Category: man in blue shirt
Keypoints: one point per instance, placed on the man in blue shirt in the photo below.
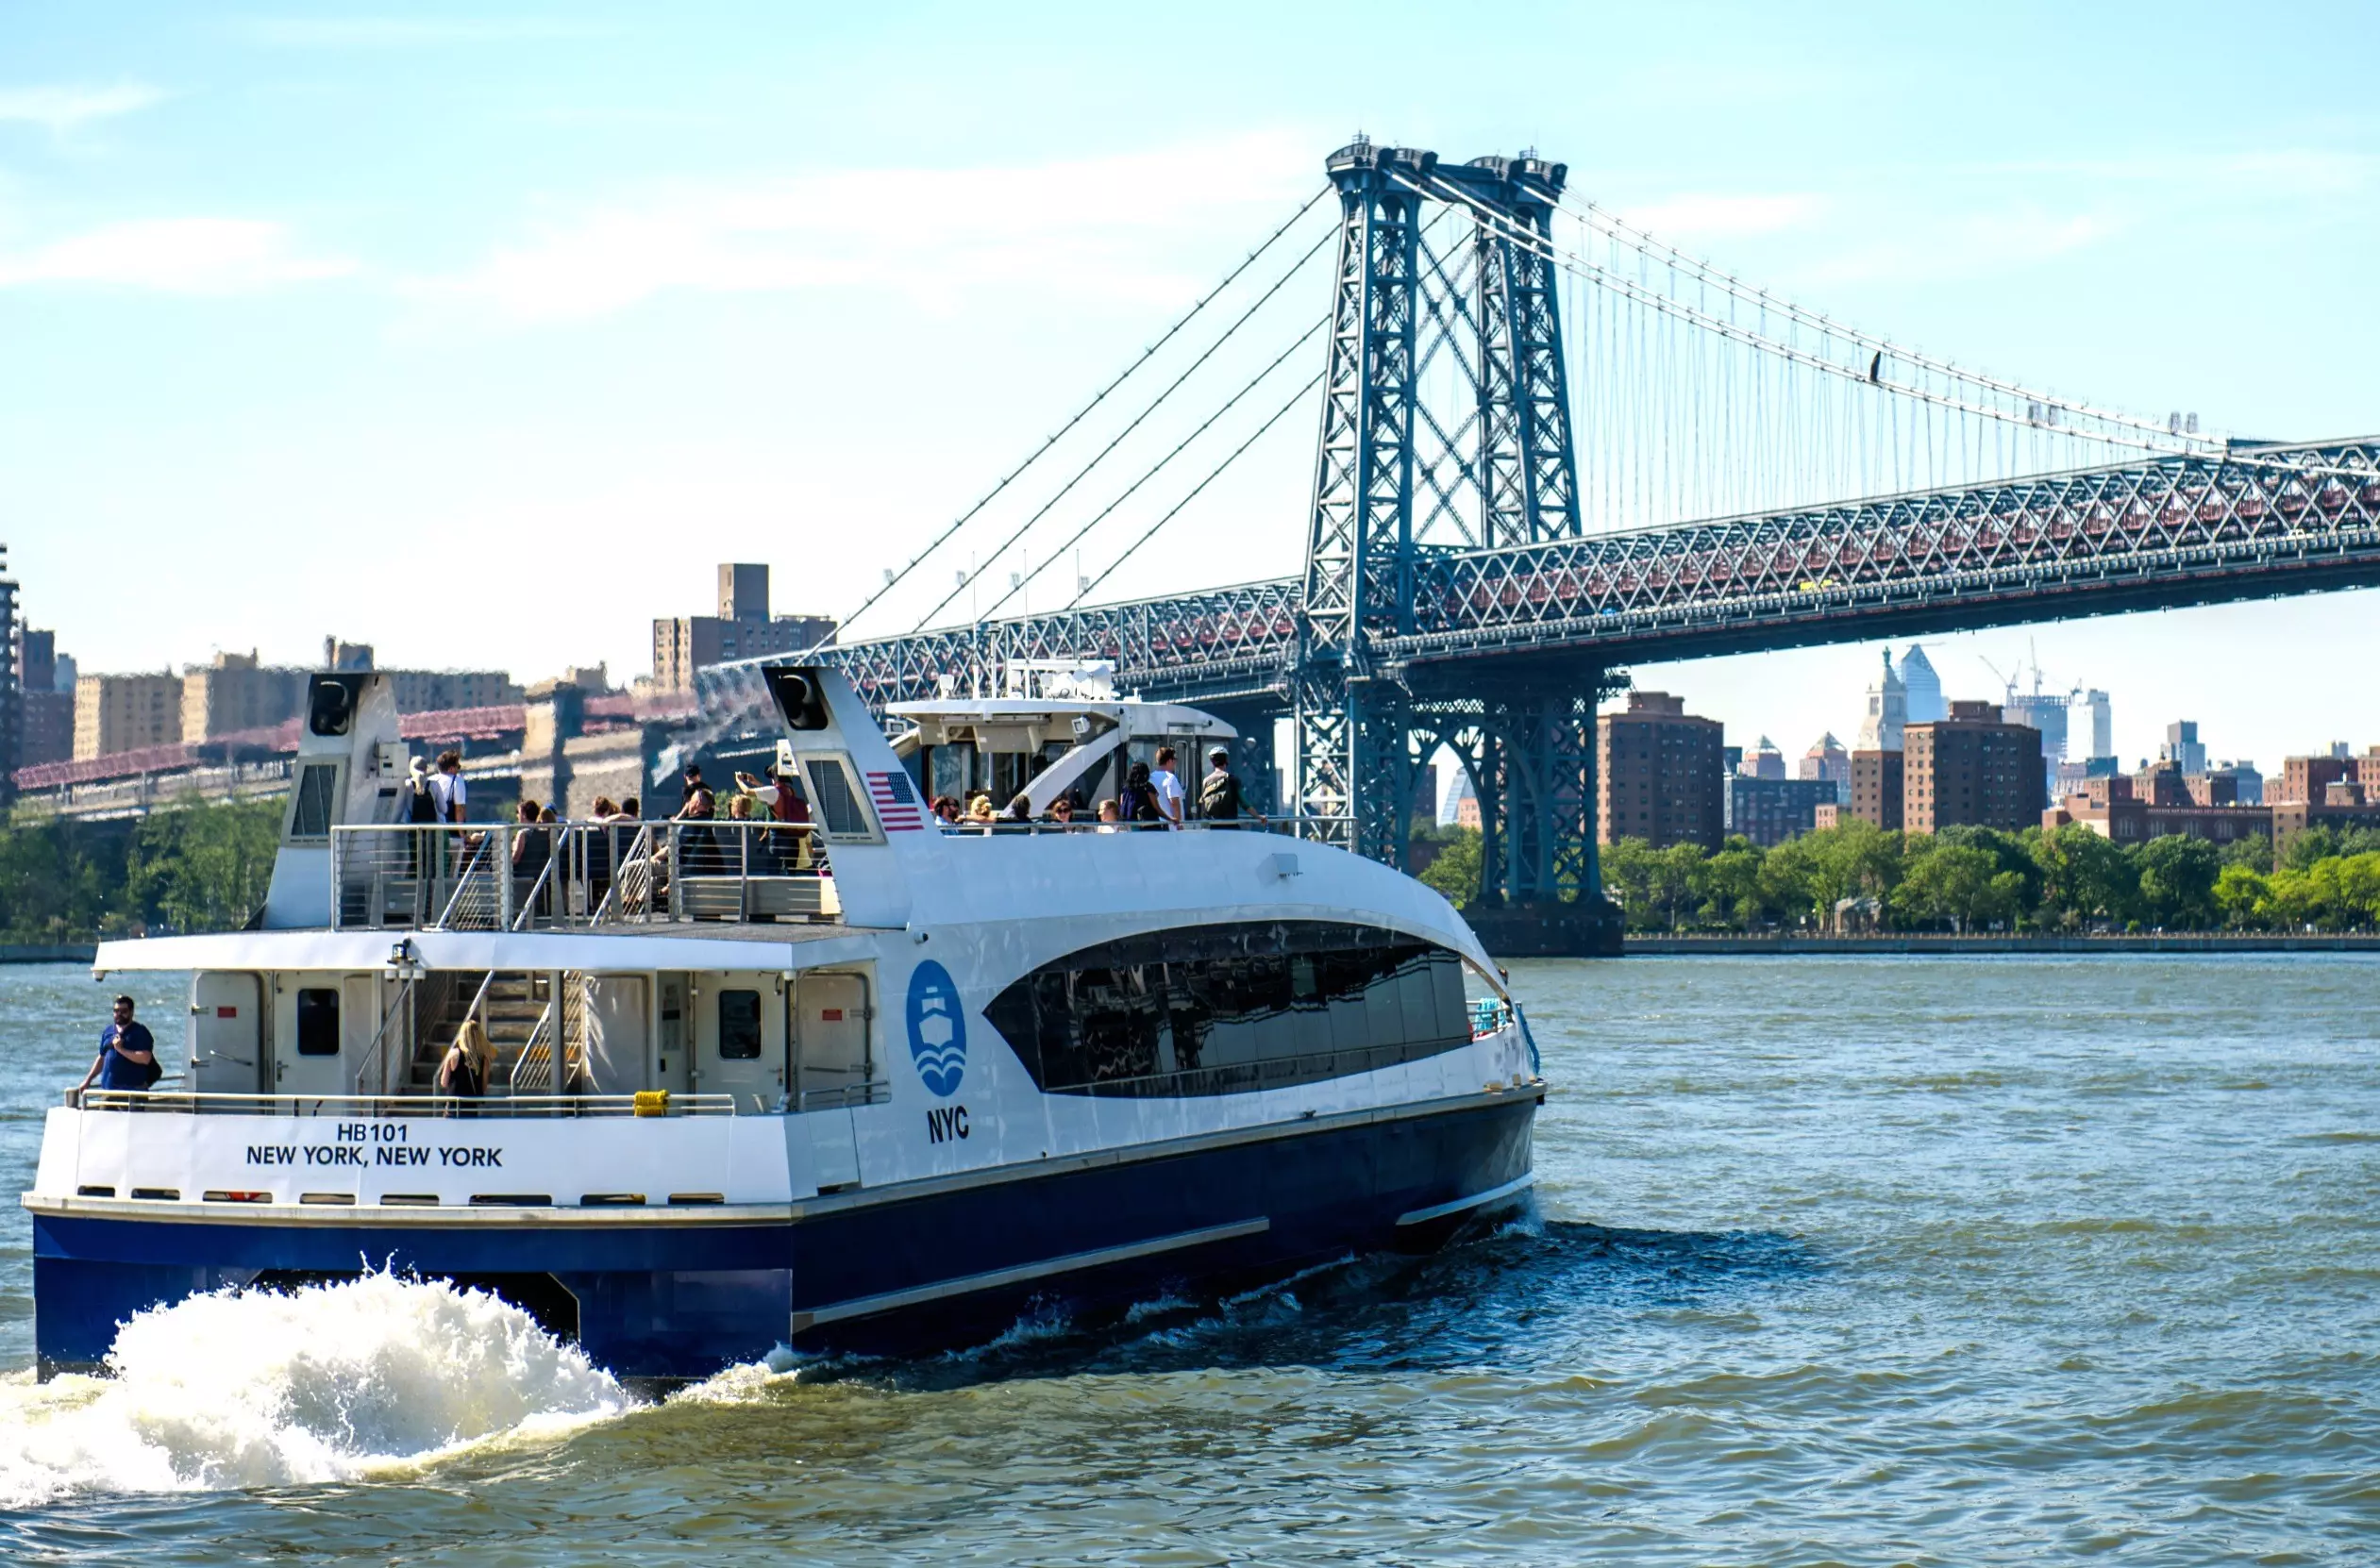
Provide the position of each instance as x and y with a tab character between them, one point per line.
127	1054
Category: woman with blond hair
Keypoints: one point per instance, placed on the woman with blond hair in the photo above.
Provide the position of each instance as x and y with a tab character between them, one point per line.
463	1073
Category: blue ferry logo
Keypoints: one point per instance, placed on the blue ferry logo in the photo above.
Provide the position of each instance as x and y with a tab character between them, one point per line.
937	1028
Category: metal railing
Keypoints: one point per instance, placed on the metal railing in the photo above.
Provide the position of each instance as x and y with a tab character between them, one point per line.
160	1101
1319	829
524	876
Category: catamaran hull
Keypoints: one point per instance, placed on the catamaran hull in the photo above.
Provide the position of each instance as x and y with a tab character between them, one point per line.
682	1293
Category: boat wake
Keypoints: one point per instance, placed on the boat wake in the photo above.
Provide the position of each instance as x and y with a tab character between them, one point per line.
324	1383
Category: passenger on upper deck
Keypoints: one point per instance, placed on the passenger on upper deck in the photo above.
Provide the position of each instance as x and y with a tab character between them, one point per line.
1169	787
127	1054
1142	807
946	809
1219	792
446	786
1110	817
1061	813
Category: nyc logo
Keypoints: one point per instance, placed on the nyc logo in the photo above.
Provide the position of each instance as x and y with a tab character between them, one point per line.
937	1028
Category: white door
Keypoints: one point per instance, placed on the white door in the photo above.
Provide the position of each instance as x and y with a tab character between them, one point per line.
831	1033
226	1035
740	1039
309	1047
618	1024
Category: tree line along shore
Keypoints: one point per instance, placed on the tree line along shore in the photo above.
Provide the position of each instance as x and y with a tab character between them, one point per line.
1861	877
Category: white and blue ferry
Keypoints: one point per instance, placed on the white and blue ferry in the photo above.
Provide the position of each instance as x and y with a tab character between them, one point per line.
870	1083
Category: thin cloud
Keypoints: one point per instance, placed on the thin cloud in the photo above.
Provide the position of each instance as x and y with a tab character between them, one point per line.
409	32
1978	247
184	255
1105	227
64	108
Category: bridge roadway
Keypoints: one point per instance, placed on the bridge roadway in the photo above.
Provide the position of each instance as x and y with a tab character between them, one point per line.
2150	535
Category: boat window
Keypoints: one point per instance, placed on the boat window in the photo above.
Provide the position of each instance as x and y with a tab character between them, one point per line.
839	811
317	785
318	1022
739	1025
1224	1009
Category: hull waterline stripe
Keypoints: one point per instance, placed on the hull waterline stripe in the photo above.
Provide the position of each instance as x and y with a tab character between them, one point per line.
1023	1273
1477	1200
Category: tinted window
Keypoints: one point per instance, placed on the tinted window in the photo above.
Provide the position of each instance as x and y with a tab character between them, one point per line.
739	1025
318	1023
315	783
839	811
1217	1009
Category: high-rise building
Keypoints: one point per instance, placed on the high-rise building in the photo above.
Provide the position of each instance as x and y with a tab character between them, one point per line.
2240	780
1764	762
2098	725
45	722
2044	713
1658	773
119	713
237	692
2181	746
1827	759
1876	788
1972	768
1922	685
743	629
1888	712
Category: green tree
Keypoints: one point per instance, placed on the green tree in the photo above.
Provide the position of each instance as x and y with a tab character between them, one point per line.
1628	874
1455	869
1674	873
2241	894
2084	877
1728	885
203	867
1959	885
2255	852
2177	881
1788	878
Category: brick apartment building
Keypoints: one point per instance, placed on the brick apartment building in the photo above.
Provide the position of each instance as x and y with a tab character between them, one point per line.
1658	775
1971	769
1876	789
743	629
2160	800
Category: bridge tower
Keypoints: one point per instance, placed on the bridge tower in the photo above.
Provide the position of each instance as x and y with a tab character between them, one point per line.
1498	472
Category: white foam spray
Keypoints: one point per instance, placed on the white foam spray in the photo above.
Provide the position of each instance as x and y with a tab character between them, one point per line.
319	1384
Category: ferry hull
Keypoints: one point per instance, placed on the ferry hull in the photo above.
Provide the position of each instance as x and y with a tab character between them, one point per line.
683	1297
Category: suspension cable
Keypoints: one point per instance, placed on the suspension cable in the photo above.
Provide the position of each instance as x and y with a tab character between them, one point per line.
1295	398
968	580
1546	249
1170	333
1157	467
1600	219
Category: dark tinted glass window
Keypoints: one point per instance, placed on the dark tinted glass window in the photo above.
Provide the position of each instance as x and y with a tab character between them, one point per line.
739	1025
839	811
318	1022
315	783
1218	1009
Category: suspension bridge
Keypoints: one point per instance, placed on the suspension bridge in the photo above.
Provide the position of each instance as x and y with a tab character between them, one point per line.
1546	445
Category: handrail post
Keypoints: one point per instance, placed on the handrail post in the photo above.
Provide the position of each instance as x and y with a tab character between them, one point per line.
502	868
677	871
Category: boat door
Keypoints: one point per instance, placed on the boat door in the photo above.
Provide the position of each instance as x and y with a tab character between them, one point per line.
740	1039
321	1014
832	1035
834	1071
619	1015
227	1034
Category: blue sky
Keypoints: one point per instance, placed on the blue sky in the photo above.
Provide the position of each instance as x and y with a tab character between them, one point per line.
483	333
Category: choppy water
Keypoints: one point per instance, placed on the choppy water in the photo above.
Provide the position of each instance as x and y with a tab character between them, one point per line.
1838	1261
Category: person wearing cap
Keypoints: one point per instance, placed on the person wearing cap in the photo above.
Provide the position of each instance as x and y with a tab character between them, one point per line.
1219	792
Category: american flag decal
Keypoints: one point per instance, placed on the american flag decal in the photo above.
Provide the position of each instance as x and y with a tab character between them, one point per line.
895	802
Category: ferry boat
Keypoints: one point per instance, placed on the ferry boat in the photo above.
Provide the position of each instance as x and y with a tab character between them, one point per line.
870	1082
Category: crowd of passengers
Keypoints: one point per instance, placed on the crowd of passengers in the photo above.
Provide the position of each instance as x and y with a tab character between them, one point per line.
1151	798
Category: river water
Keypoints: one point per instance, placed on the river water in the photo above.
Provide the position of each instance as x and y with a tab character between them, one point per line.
1856	1260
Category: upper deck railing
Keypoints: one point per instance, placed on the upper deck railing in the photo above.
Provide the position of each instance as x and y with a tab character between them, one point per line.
562	875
